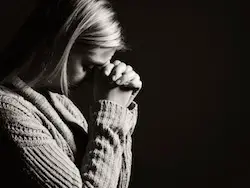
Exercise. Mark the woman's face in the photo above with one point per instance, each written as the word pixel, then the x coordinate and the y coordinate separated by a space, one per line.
pixel 81 62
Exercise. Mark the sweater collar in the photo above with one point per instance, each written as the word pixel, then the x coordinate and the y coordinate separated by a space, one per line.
pixel 55 107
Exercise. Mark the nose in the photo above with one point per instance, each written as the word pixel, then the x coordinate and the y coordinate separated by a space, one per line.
pixel 102 66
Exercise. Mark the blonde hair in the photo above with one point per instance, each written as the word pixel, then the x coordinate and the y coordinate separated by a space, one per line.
pixel 91 22
pixel 96 28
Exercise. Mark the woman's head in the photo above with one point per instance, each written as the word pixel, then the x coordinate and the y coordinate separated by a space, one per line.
pixel 59 28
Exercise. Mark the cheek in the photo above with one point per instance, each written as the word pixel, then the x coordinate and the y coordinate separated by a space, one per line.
pixel 76 72
pixel 79 68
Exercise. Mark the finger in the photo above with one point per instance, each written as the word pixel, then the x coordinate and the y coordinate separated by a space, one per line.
pixel 108 68
pixel 118 70
pixel 126 77
pixel 116 62
pixel 136 83
pixel 128 69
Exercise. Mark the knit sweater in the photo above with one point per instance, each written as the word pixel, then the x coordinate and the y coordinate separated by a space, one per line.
pixel 46 142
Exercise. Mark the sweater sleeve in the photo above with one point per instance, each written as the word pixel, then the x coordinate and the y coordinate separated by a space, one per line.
pixel 49 164
pixel 125 173
pixel 110 125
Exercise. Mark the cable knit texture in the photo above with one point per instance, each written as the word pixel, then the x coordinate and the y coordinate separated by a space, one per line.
pixel 46 142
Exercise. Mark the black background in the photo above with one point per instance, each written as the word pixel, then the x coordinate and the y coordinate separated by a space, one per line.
pixel 187 53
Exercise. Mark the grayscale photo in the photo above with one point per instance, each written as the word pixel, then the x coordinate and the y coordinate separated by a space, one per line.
pixel 122 94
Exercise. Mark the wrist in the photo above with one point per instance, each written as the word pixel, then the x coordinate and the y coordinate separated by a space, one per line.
pixel 110 114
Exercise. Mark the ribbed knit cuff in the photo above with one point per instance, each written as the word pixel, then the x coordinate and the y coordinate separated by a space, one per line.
pixel 110 114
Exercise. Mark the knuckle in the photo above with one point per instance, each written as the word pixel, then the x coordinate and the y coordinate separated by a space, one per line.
pixel 123 64
pixel 132 74
pixel 129 68
pixel 135 73
pixel 116 62
pixel 137 76
pixel 121 67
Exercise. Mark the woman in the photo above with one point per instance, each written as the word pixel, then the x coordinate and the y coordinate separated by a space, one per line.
pixel 44 139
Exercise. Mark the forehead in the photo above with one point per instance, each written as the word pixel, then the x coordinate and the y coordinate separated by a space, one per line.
pixel 100 56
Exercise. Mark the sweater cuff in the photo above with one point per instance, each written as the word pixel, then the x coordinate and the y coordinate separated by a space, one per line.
pixel 133 108
pixel 114 116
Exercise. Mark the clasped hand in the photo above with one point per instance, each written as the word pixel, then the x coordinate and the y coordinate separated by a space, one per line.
pixel 116 82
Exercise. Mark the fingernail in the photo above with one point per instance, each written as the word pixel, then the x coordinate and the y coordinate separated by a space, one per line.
pixel 114 77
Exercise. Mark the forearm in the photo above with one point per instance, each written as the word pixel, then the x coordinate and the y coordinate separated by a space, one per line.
pixel 108 130
pixel 102 161
pixel 125 174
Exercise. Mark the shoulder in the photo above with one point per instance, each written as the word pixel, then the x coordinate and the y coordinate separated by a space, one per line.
pixel 18 120
pixel 10 101
pixel 15 112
